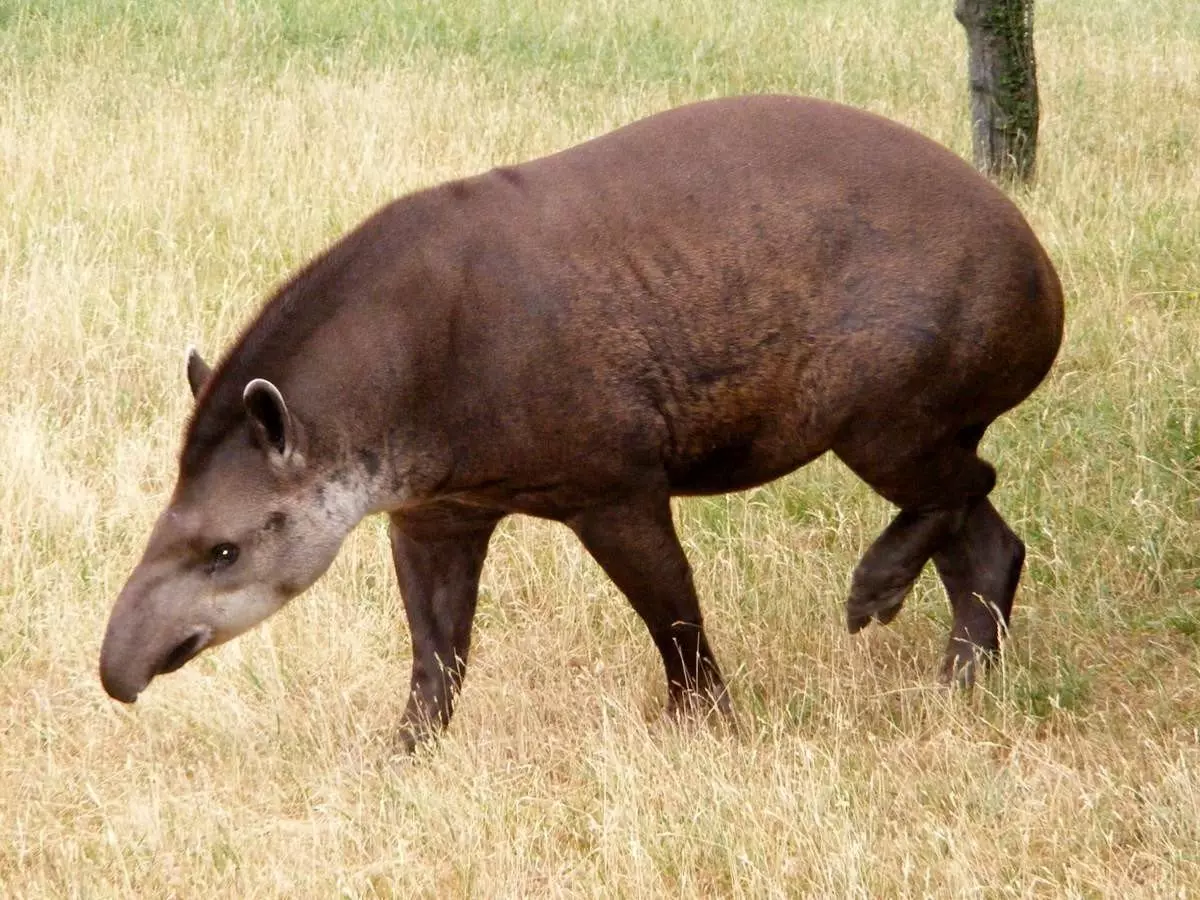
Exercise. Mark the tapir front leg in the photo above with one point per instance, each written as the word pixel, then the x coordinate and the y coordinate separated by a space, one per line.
pixel 634 541
pixel 438 567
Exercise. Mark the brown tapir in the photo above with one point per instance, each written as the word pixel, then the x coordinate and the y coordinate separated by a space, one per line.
pixel 697 303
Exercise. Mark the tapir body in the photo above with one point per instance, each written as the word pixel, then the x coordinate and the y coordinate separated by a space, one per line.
pixel 697 303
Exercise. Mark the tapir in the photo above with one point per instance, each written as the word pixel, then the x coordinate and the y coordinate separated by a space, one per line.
pixel 696 303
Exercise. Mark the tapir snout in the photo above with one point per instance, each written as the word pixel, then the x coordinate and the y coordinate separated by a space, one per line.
pixel 139 646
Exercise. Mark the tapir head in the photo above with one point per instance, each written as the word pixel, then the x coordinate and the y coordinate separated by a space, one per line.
pixel 243 533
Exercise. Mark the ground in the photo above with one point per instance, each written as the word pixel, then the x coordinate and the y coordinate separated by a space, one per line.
pixel 163 165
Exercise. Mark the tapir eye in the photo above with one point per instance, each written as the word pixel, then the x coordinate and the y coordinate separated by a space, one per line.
pixel 222 556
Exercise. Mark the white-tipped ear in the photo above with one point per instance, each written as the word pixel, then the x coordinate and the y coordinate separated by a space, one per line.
pixel 198 371
pixel 269 416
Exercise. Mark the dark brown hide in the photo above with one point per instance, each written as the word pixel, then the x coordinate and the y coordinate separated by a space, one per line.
pixel 697 303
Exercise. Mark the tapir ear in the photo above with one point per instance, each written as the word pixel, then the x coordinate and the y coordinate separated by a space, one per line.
pixel 198 371
pixel 269 417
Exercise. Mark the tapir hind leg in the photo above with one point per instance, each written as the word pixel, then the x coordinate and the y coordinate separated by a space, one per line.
pixel 937 491
pixel 980 567
pixel 634 541
pixel 888 569
pixel 438 567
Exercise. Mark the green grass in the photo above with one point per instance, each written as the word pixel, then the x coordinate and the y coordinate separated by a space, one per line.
pixel 163 165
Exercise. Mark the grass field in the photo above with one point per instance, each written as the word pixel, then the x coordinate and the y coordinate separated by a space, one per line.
pixel 163 165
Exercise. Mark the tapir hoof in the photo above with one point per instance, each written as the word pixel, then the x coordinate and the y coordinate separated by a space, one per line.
pixel 883 608
pixel 964 663
pixel 701 710
pixel 412 736
pixel 405 742
pixel 700 706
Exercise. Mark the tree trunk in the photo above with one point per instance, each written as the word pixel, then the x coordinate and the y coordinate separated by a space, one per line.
pixel 1003 79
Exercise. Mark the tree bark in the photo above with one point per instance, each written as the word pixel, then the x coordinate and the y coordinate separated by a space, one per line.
pixel 1003 79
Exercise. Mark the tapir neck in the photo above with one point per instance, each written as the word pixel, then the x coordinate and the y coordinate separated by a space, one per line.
pixel 384 465
pixel 337 341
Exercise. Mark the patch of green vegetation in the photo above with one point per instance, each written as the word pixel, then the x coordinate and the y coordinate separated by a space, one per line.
pixel 1161 257
pixel 621 43
pixel 1185 622
pixel 1182 619
pixel 1045 694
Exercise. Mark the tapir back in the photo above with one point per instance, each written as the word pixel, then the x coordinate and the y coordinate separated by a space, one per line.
pixel 740 280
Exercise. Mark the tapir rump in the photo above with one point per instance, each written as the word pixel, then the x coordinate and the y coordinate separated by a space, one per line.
pixel 696 303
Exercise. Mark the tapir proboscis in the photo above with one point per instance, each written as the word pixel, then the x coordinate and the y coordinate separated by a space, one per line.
pixel 696 303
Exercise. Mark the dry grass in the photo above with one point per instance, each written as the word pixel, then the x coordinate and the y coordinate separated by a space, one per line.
pixel 161 169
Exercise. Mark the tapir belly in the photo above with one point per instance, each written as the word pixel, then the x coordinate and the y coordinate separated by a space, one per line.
pixel 749 431
pixel 736 466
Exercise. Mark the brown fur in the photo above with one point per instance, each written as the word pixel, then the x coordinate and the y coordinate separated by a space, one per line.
pixel 697 303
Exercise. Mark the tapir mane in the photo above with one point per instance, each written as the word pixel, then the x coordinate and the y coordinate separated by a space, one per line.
pixel 297 310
